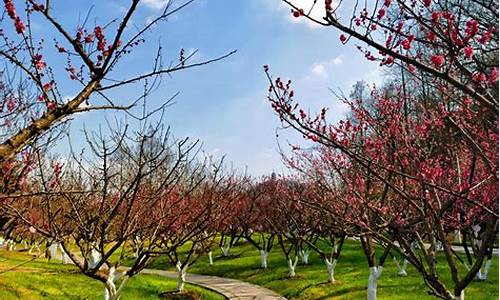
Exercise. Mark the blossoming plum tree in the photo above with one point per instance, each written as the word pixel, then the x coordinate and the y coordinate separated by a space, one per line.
pixel 32 87
pixel 95 205
pixel 429 143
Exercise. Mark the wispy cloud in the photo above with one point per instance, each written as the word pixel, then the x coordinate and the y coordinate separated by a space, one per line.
pixel 155 4
pixel 322 69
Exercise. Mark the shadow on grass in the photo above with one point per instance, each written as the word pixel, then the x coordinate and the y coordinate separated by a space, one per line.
pixel 230 256
pixel 343 291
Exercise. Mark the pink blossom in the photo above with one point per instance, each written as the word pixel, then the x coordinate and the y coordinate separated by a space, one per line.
pixel 437 60
pixel 468 52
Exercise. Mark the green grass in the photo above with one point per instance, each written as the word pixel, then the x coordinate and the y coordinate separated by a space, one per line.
pixel 41 280
pixel 351 274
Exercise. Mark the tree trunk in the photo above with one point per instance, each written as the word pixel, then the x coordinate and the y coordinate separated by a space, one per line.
pixel 110 290
pixel 64 256
pixel 375 273
pixel 487 267
pixel 458 236
pixel 461 296
pixel 401 267
pixel 225 250
pixel 263 259
pixel 304 256
pixel 94 259
pixel 330 268
pixel 210 258
pixel 11 245
pixel 483 275
pixel 51 251
pixel 291 266
pixel 181 277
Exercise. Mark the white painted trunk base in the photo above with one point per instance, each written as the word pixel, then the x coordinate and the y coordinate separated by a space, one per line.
pixel 375 273
pixel 110 290
pixel 330 268
pixel 263 259
pixel 487 267
pixel 53 250
pixel 210 258
pixel 483 275
pixel 11 245
pixel 461 297
pixel 36 246
pixel 401 267
pixel 94 259
pixel 304 256
pixel 458 236
pixel 181 277
pixel 291 266
pixel 64 256
pixel 225 251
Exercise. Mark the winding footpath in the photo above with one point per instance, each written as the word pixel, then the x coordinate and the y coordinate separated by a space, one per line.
pixel 229 288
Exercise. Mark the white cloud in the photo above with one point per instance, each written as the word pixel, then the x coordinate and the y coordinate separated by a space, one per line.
pixel 337 60
pixel 155 4
pixel 321 69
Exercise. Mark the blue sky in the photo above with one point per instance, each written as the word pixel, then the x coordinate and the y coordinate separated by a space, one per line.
pixel 224 104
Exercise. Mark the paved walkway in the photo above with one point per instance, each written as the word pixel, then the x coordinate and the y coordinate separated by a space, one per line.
pixel 230 288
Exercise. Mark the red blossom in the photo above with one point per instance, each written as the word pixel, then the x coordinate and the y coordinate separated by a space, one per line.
pixel 38 62
pixel 472 27
pixel 435 16
pixel 47 86
pixel 50 105
pixel 89 38
pixel 11 12
pixel 11 104
pixel 485 38
pixel 381 13
pixel 406 43
pixel 20 28
pixel 101 40
pixel 10 8
pixel 298 13
pixel 431 36
pixel 328 5
pixel 479 76
pixel 468 52
pixel 437 60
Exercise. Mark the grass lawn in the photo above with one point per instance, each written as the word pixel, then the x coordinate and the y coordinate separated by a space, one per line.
pixel 351 274
pixel 41 280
